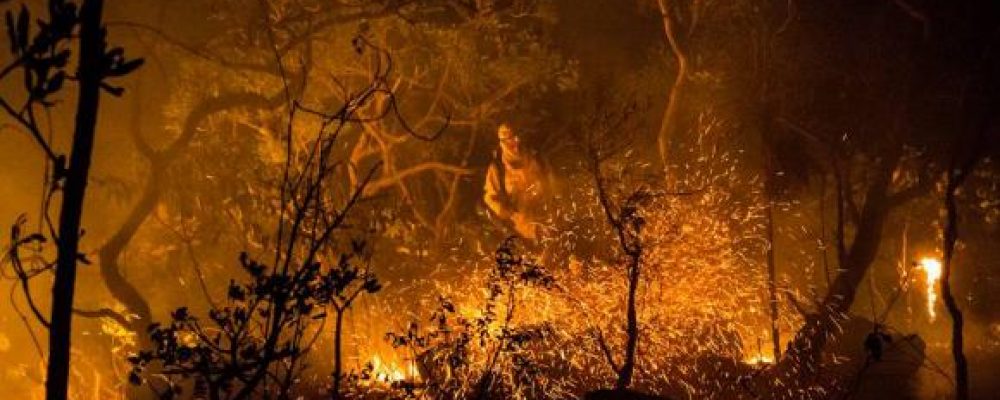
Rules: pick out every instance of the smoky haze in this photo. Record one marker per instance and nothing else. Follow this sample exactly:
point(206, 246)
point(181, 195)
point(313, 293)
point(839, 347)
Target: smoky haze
point(525, 199)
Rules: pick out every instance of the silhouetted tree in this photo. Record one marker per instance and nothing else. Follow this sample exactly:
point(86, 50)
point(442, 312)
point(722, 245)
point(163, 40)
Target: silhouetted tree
point(267, 323)
point(341, 288)
point(606, 138)
point(43, 58)
point(955, 176)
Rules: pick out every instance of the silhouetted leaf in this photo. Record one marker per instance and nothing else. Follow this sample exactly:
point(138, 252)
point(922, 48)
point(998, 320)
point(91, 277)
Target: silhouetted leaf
point(180, 314)
point(33, 238)
point(11, 32)
point(22, 27)
point(56, 82)
point(113, 90)
point(61, 58)
point(372, 286)
point(120, 68)
point(236, 292)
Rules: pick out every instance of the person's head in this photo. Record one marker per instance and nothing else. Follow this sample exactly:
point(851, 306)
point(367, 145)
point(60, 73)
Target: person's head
point(510, 143)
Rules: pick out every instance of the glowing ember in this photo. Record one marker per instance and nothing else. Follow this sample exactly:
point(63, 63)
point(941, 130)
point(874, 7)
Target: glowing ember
point(932, 271)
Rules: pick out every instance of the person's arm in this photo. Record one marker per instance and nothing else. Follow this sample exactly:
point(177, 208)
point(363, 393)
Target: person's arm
point(491, 194)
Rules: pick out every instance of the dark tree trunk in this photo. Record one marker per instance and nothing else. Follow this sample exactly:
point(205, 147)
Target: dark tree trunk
point(337, 349)
point(805, 350)
point(979, 114)
point(770, 196)
point(956, 175)
point(957, 337)
point(108, 256)
point(92, 47)
point(631, 328)
point(159, 162)
point(772, 277)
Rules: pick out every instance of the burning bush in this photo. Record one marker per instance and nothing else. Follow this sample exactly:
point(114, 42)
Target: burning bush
point(490, 353)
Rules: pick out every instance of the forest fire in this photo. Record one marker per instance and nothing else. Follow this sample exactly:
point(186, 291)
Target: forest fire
point(932, 275)
point(499, 199)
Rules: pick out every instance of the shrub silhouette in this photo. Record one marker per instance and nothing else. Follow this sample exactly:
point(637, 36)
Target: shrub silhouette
point(487, 355)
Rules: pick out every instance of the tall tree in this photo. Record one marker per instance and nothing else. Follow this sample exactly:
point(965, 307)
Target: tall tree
point(880, 134)
point(975, 140)
point(678, 37)
point(43, 61)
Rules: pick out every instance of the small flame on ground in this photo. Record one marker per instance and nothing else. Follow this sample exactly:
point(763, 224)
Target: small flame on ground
point(932, 271)
point(388, 372)
point(759, 359)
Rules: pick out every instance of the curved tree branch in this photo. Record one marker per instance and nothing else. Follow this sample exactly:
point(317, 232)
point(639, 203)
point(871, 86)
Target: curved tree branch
point(109, 253)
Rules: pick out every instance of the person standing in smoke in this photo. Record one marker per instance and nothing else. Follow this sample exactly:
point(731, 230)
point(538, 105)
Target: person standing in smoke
point(517, 187)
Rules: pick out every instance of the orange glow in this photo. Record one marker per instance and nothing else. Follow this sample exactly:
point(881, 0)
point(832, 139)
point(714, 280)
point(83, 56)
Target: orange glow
point(932, 273)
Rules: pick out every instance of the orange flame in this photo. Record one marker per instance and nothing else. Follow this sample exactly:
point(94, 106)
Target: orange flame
point(390, 372)
point(932, 272)
point(759, 359)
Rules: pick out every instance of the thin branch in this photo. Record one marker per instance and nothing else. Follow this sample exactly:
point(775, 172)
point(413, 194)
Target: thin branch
point(383, 183)
point(603, 345)
point(33, 129)
point(27, 325)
